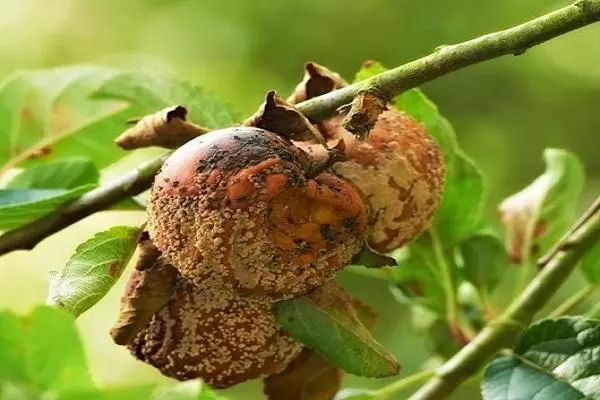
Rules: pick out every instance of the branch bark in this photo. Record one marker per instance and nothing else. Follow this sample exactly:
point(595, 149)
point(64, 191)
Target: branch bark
point(504, 331)
point(444, 60)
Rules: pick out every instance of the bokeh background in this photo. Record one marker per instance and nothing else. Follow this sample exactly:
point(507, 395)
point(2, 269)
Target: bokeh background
point(505, 111)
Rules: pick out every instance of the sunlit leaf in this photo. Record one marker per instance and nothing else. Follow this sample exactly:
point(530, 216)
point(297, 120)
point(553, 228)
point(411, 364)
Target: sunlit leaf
point(92, 270)
point(42, 351)
point(38, 107)
point(54, 113)
point(19, 206)
point(153, 90)
point(555, 359)
point(536, 217)
point(66, 173)
point(326, 322)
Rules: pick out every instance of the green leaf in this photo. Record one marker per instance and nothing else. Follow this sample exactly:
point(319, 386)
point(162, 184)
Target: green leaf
point(53, 113)
point(536, 217)
point(42, 351)
point(191, 390)
point(590, 265)
point(20, 206)
point(66, 173)
point(485, 260)
point(555, 359)
point(152, 91)
point(326, 322)
point(420, 277)
point(94, 268)
point(461, 210)
point(39, 107)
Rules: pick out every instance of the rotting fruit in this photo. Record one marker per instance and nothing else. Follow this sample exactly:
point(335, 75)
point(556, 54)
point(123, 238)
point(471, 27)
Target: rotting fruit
point(398, 168)
point(214, 334)
point(238, 206)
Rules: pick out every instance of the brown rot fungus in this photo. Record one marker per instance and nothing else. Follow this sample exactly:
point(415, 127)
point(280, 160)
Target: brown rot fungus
point(397, 168)
point(239, 206)
point(214, 334)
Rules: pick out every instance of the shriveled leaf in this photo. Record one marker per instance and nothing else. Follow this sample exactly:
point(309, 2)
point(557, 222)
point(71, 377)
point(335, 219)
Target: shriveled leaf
point(536, 217)
point(166, 128)
point(555, 359)
point(485, 260)
point(325, 321)
point(151, 91)
point(20, 206)
point(190, 390)
point(590, 264)
point(370, 258)
point(42, 351)
point(66, 173)
point(92, 270)
point(308, 377)
point(148, 291)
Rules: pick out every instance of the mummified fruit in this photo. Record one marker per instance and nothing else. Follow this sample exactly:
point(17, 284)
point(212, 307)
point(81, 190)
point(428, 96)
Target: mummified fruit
point(237, 206)
point(216, 335)
point(398, 168)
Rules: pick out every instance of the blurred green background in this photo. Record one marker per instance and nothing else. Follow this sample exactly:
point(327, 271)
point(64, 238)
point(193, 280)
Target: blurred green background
point(505, 111)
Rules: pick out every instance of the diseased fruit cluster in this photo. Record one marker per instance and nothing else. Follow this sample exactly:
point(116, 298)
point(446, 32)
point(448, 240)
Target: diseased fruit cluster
point(247, 216)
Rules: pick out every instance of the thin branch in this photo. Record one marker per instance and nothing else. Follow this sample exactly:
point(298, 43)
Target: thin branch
point(129, 184)
point(444, 60)
point(503, 332)
point(576, 299)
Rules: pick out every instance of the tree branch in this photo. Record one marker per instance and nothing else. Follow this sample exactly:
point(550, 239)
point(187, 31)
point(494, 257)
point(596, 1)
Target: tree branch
point(444, 60)
point(504, 331)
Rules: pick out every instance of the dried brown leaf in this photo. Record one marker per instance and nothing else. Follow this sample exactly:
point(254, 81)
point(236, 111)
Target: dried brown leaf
point(278, 116)
point(317, 81)
point(308, 377)
point(166, 128)
point(147, 292)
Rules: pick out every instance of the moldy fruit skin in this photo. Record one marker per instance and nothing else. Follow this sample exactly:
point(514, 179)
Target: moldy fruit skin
point(216, 335)
point(398, 169)
point(236, 206)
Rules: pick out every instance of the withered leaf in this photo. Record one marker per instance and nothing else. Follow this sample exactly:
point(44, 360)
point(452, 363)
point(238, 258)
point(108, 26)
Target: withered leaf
point(372, 259)
point(317, 81)
point(278, 116)
point(148, 291)
point(308, 377)
point(540, 214)
point(166, 128)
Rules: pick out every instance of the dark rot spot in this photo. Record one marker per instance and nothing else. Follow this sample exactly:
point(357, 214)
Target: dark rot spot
point(115, 269)
point(350, 224)
point(328, 233)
